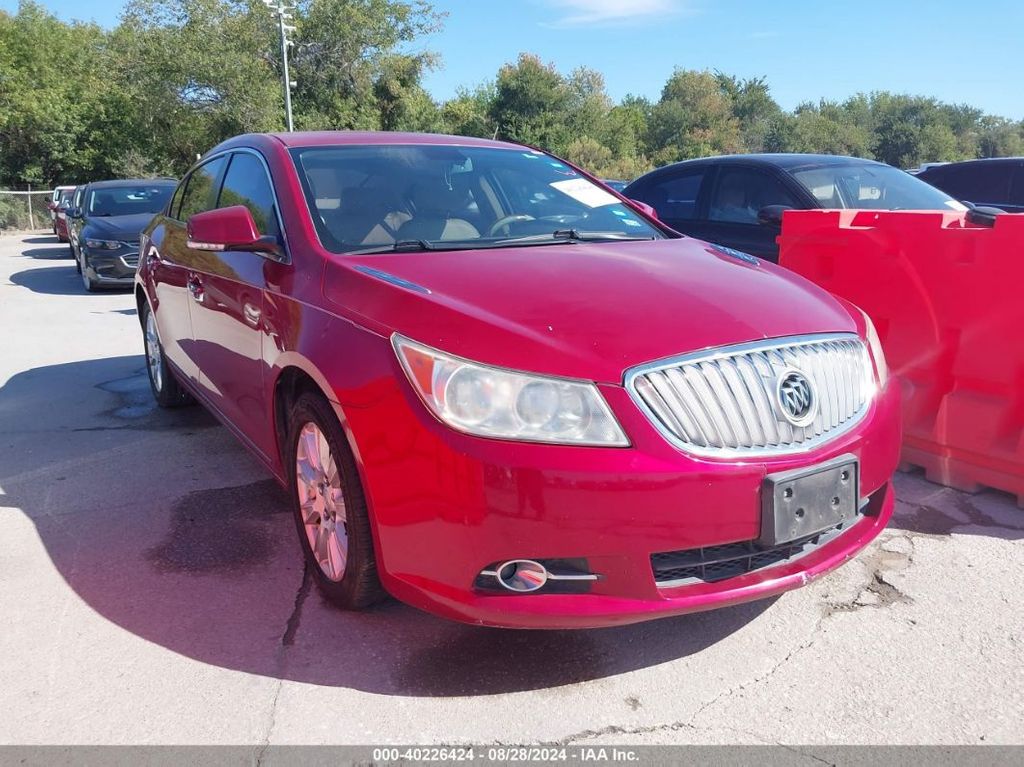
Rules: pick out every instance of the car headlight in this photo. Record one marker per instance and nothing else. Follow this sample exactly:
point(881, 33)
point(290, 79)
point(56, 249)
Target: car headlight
point(491, 402)
point(875, 346)
point(103, 244)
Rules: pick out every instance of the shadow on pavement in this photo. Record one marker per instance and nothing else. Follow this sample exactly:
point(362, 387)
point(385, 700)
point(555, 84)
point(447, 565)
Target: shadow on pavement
point(140, 530)
point(46, 240)
point(53, 280)
point(161, 524)
point(50, 254)
point(926, 508)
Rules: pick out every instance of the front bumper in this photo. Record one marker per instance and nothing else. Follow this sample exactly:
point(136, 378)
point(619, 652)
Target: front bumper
point(445, 506)
point(111, 267)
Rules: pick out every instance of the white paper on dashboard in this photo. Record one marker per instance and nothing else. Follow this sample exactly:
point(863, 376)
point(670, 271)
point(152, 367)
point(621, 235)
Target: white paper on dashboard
point(583, 191)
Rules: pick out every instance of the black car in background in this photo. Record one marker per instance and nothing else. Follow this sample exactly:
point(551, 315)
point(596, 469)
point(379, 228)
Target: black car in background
point(75, 224)
point(107, 223)
point(737, 200)
point(997, 182)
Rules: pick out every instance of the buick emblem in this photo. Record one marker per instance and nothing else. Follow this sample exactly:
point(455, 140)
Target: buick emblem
point(797, 399)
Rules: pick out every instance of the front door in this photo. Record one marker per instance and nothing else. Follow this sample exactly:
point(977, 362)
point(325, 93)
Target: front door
point(227, 290)
point(739, 193)
point(172, 261)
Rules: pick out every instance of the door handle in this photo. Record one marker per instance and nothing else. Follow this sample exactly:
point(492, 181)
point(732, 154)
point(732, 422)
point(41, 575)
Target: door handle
point(252, 314)
point(195, 288)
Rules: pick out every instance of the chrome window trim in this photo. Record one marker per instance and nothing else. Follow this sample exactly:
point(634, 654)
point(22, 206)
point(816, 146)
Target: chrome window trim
point(270, 180)
point(714, 353)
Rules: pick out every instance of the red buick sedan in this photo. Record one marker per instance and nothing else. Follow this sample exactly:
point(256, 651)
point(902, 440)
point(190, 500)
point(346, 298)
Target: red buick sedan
point(503, 393)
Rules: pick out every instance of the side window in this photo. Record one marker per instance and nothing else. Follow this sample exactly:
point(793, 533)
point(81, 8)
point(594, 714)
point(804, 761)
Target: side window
point(175, 203)
point(675, 197)
point(979, 182)
point(199, 189)
point(742, 192)
point(246, 183)
point(1017, 187)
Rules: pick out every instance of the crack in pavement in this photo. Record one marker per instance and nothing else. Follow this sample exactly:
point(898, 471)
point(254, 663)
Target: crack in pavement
point(688, 724)
point(291, 628)
point(880, 592)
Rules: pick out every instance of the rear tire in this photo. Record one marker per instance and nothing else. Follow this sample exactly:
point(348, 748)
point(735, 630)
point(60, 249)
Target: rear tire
point(165, 387)
point(329, 506)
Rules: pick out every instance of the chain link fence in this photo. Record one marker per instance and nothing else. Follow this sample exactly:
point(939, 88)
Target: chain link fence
point(25, 210)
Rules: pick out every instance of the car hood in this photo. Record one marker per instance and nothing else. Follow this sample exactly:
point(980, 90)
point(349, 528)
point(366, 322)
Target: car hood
point(588, 311)
point(126, 228)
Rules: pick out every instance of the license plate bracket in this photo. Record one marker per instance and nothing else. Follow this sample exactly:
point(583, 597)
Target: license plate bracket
point(805, 501)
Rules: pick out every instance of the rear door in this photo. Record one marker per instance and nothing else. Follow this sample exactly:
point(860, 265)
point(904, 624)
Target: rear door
point(676, 196)
point(228, 304)
point(172, 262)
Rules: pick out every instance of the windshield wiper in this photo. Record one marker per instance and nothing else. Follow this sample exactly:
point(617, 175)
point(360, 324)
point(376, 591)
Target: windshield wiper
point(558, 237)
point(569, 236)
point(401, 246)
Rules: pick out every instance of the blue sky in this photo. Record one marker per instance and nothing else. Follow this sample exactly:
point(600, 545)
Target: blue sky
point(806, 49)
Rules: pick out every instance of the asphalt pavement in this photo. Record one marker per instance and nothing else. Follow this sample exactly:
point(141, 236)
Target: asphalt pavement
point(152, 591)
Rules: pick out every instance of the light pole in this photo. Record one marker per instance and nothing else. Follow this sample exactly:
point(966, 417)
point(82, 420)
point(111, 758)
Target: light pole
point(284, 14)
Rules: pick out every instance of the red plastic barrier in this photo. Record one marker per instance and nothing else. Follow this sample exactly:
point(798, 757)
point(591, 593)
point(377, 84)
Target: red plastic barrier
point(947, 298)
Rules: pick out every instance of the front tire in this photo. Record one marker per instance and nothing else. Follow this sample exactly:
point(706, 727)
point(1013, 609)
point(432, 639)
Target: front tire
point(165, 387)
point(329, 506)
point(88, 282)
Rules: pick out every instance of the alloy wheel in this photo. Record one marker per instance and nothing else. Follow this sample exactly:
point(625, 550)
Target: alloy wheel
point(321, 501)
point(154, 356)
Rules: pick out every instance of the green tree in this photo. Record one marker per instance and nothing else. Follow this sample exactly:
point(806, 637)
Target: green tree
point(470, 112)
point(754, 108)
point(999, 137)
point(46, 115)
point(693, 118)
point(529, 104)
point(346, 57)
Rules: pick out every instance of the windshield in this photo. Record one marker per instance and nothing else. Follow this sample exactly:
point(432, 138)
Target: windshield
point(872, 187)
point(445, 197)
point(128, 200)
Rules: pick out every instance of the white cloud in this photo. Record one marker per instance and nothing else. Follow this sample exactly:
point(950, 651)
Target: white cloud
point(590, 12)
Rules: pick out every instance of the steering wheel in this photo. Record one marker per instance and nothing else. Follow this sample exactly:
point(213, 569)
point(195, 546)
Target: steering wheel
point(505, 221)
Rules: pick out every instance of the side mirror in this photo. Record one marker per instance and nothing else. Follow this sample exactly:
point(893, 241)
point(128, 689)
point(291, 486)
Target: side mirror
point(74, 212)
point(230, 228)
point(983, 215)
point(771, 215)
point(646, 209)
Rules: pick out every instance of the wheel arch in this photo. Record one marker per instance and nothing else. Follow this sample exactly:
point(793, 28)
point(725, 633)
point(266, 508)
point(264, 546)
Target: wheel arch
point(141, 299)
point(293, 375)
point(296, 375)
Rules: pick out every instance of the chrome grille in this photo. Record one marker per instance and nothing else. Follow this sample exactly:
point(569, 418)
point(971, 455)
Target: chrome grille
point(725, 402)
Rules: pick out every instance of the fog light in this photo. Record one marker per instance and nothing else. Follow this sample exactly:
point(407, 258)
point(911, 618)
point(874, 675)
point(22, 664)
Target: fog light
point(522, 575)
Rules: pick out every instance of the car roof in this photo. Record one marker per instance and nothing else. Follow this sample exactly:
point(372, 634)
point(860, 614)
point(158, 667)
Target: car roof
point(379, 138)
point(121, 182)
point(786, 161)
point(978, 161)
